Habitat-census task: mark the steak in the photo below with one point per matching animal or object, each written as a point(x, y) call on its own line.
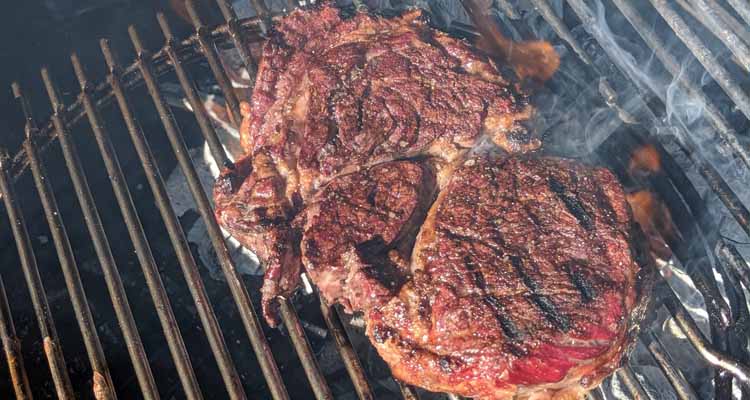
point(525, 283)
point(334, 95)
point(391, 161)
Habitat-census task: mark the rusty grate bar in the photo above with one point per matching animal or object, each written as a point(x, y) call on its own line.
point(143, 252)
point(12, 347)
point(205, 40)
point(52, 348)
point(176, 234)
point(102, 380)
point(101, 246)
point(302, 346)
point(234, 280)
point(289, 316)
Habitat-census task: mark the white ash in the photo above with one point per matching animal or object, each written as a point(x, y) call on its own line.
point(182, 202)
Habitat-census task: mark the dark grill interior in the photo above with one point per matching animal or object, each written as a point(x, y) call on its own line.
point(124, 272)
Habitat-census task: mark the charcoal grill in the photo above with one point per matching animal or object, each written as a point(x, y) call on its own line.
point(724, 347)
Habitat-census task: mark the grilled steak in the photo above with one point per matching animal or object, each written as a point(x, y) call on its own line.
point(524, 283)
point(335, 95)
point(391, 161)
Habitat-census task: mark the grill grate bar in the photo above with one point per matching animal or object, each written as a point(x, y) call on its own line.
point(308, 361)
point(12, 347)
point(596, 394)
point(291, 320)
point(264, 18)
point(407, 391)
point(234, 280)
point(719, 186)
point(712, 17)
point(102, 379)
point(631, 382)
point(156, 289)
point(348, 355)
point(209, 51)
point(714, 116)
point(176, 234)
point(683, 389)
point(204, 122)
point(704, 55)
point(696, 338)
point(713, 178)
point(52, 348)
point(605, 88)
point(233, 27)
point(302, 346)
point(742, 8)
point(101, 246)
point(711, 175)
point(733, 258)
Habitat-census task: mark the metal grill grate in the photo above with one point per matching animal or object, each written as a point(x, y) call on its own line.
point(172, 57)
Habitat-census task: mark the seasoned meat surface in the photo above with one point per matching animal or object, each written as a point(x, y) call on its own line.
point(524, 283)
point(356, 220)
point(334, 95)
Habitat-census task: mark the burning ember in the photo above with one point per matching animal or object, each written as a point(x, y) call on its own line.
point(534, 59)
point(645, 159)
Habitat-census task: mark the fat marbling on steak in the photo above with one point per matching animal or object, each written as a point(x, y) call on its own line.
point(334, 95)
point(391, 161)
point(526, 283)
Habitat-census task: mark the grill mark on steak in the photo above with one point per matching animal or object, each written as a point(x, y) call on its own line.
point(587, 289)
point(497, 307)
point(540, 300)
point(476, 272)
point(506, 324)
point(572, 203)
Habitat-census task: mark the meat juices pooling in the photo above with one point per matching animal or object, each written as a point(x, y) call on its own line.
point(355, 126)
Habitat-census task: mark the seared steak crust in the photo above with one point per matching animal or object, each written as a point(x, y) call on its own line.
point(524, 282)
point(352, 225)
point(336, 95)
